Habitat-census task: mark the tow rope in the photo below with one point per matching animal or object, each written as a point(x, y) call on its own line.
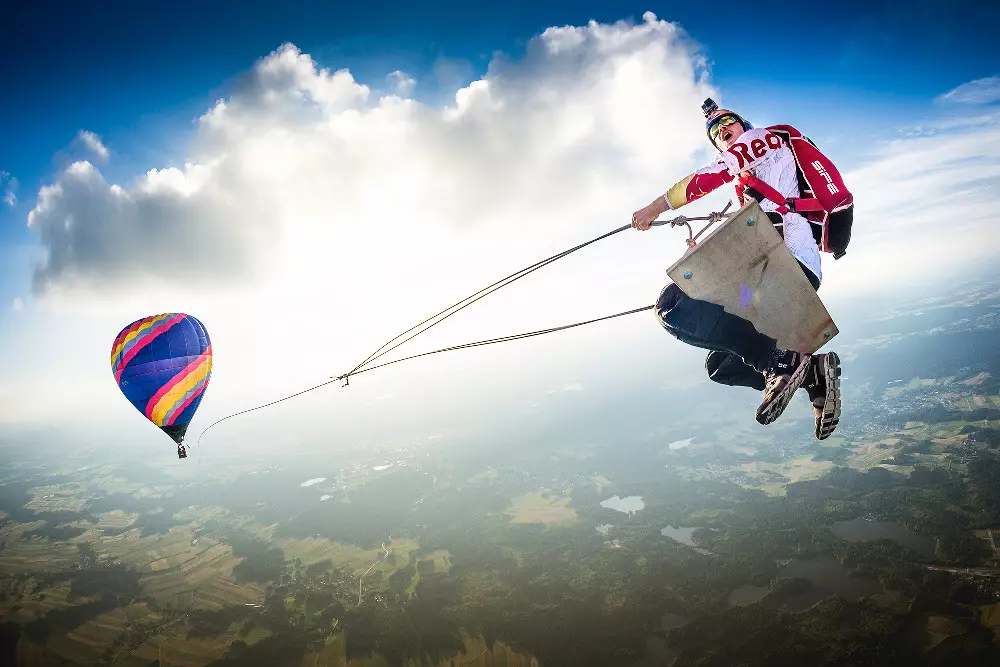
point(441, 316)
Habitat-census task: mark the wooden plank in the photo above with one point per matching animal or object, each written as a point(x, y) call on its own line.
point(744, 266)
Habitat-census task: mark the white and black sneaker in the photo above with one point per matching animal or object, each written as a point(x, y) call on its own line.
point(823, 385)
point(786, 373)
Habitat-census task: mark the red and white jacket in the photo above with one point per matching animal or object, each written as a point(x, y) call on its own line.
point(762, 153)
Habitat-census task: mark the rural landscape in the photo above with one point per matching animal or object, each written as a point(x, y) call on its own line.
point(710, 542)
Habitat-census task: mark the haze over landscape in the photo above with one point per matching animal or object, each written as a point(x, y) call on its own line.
point(584, 497)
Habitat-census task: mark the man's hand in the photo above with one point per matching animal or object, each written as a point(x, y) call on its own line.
point(644, 217)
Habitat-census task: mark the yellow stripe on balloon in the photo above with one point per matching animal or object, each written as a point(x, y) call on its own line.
point(177, 392)
point(146, 326)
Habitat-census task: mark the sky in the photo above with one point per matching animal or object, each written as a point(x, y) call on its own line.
point(311, 179)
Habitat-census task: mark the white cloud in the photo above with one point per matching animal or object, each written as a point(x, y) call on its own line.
point(572, 386)
point(587, 125)
point(93, 143)
point(980, 91)
point(402, 84)
point(311, 221)
point(17, 304)
point(171, 225)
point(925, 206)
point(8, 188)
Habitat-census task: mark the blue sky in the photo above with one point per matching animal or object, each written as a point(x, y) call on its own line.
point(124, 69)
point(858, 77)
point(137, 74)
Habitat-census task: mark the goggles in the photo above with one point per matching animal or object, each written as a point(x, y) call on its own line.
point(717, 125)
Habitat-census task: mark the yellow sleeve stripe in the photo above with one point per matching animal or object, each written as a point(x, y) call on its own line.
point(677, 194)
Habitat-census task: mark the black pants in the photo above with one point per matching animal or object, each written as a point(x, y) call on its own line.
point(739, 353)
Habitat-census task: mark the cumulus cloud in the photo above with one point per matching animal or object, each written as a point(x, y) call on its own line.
point(980, 91)
point(572, 386)
point(587, 124)
point(93, 143)
point(920, 195)
point(311, 218)
point(336, 218)
point(401, 83)
point(8, 188)
point(172, 225)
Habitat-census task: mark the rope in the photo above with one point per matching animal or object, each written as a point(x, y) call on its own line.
point(502, 339)
point(243, 412)
point(388, 346)
point(472, 298)
point(489, 341)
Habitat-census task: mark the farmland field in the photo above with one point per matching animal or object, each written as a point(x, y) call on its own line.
point(535, 507)
point(313, 550)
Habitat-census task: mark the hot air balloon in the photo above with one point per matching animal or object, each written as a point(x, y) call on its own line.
point(162, 364)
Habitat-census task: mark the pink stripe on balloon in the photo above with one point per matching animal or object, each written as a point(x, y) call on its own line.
point(174, 380)
point(195, 394)
point(146, 340)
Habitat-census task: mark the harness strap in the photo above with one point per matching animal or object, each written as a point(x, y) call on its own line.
point(785, 204)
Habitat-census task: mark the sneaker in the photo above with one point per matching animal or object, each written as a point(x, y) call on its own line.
point(823, 386)
point(787, 375)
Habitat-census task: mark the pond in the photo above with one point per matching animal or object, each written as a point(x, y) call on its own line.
point(827, 575)
point(657, 650)
point(627, 505)
point(861, 529)
point(680, 534)
point(748, 594)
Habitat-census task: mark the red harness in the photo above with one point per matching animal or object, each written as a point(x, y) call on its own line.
point(785, 204)
point(828, 205)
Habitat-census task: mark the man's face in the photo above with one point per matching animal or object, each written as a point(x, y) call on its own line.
point(729, 130)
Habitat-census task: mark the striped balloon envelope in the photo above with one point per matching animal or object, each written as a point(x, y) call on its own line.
point(162, 364)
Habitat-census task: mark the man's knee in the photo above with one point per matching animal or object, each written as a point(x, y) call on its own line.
point(671, 296)
point(713, 362)
point(729, 369)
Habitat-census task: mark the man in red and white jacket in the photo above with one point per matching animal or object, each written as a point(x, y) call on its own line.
point(740, 355)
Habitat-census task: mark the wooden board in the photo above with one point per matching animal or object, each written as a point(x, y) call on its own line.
point(744, 266)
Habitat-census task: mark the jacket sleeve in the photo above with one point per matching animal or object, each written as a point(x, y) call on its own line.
point(697, 185)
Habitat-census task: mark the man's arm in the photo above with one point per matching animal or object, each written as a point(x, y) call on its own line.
point(688, 189)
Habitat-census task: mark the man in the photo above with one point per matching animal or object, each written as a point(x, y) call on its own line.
point(740, 355)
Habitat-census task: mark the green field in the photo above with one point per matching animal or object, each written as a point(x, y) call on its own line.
point(35, 603)
point(536, 507)
point(475, 653)
point(25, 555)
point(202, 579)
point(792, 470)
point(115, 520)
point(313, 550)
point(62, 498)
point(175, 650)
point(86, 643)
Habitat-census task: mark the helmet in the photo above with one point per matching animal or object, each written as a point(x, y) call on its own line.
point(713, 113)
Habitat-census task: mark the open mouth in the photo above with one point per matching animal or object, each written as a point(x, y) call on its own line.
point(726, 134)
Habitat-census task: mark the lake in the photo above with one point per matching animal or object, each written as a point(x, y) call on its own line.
point(859, 529)
point(748, 594)
point(656, 650)
point(827, 575)
point(681, 534)
point(627, 505)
